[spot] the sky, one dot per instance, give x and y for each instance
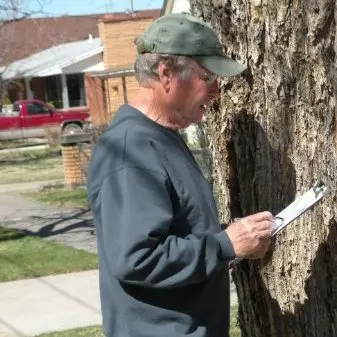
(84, 7)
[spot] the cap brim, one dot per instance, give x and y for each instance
(220, 65)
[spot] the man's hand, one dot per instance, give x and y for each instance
(250, 236)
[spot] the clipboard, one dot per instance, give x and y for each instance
(299, 206)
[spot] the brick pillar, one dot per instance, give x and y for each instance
(76, 152)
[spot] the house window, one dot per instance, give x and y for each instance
(76, 90)
(53, 89)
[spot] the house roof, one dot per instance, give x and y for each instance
(22, 38)
(52, 60)
(19, 39)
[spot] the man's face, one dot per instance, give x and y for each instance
(191, 96)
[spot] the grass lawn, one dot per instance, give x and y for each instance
(24, 256)
(92, 331)
(95, 331)
(27, 166)
(61, 196)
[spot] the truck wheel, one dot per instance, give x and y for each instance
(72, 128)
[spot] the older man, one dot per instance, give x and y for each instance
(163, 257)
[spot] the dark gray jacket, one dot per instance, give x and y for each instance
(162, 256)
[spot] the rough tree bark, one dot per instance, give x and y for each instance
(272, 135)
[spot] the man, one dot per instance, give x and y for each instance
(163, 258)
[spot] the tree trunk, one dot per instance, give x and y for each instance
(272, 135)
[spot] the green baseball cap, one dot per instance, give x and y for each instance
(182, 34)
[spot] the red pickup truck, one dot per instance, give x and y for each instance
(31, 118)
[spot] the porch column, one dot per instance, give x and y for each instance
(65, 97)
(29, 91)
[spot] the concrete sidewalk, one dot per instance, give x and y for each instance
(52, 303)
(30, 186)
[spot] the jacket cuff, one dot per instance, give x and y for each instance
(226, 252)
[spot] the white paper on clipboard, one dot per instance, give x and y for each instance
(294, 210)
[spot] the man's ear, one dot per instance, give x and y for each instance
(165, 76)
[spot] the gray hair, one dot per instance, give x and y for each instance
(146, 66)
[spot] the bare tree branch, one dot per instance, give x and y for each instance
(12, 11)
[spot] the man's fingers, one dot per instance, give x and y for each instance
(265, 234)
(257, 226)
(251, 235)
(264, 225)
(260, 216)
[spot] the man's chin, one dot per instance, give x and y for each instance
(199, 114)
(194, 119)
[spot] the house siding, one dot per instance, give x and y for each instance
(118, 39)
(115, 93)
(119, 53)
(94, 88)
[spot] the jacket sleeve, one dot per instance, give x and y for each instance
(136, 213)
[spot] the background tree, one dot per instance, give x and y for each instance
(11, 11)
(272, 135)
